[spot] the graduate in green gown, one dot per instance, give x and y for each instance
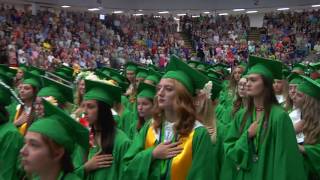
(23, 115)
(108, 144)
(173, 144)
(310, 148)
(261, 141)
(49, 143)
(146, 93)
(11, 140)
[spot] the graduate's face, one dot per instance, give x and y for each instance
(166, 93)
(26, 92)
(298, 99)
(144, 107)
(237, 73)
(138, 80)
(19, 74)
(255, 85)
(131, 76)
(242, 87)
(278, 86)
(81, 87)
(39, 109)
(91, 109)
(36, 155)
(292, 90)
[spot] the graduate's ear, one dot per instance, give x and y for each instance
(58, 153)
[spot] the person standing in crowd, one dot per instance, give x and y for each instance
(310, 146)
(146, 94)
(108, 144)
(172, 145)
(49, 143)
(261, 141)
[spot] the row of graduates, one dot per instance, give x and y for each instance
(189, 122)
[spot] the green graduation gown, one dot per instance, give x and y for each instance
(11, 142)
(121, 145)
(277, 156)
(140, 165)
(312, 160)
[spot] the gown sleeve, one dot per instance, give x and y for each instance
(10, 147)
(138, 161)
(204, 159)
(312, 157)
(236, 145)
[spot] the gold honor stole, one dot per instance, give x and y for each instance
(22, 129)
(181, 163)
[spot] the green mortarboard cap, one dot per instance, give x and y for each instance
(193, 63)
(146, 91)
(294, 78)
(212, 73)
(315, 66)
(102, 91)
(61, 128)
(121, 80)
(299, 66)
(270, 69)
(59, 91)
(220, 66)
(310, 87)
(202, 66)
(216, 88)
(107, 70)
(6, 93)
(102, 75)
(6, 78)
(154, 76)
(32, 79)
(131, 66)
(190, 78)
(36, 70)
(153, 67)
(318, 80)
(23, 67)
(142, 72)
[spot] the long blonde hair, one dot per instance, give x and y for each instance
(311, 117)
(206, 110)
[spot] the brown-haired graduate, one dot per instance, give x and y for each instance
(108, 144)
(310, 111)
(49, 143)
(261, 141)
(173, 145)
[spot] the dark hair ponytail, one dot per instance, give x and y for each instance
(106, 125)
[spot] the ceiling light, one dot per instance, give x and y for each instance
(65, 6)
(223, 14)
(93, 9)
(140, 10)
(138, 14)
(317, 5)
(283, 9)
(181, 14)
(251, 12)
(206, 12)
(163, 12)
(195, 16)
(236, 10)
(157, 16)
(117, 12)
